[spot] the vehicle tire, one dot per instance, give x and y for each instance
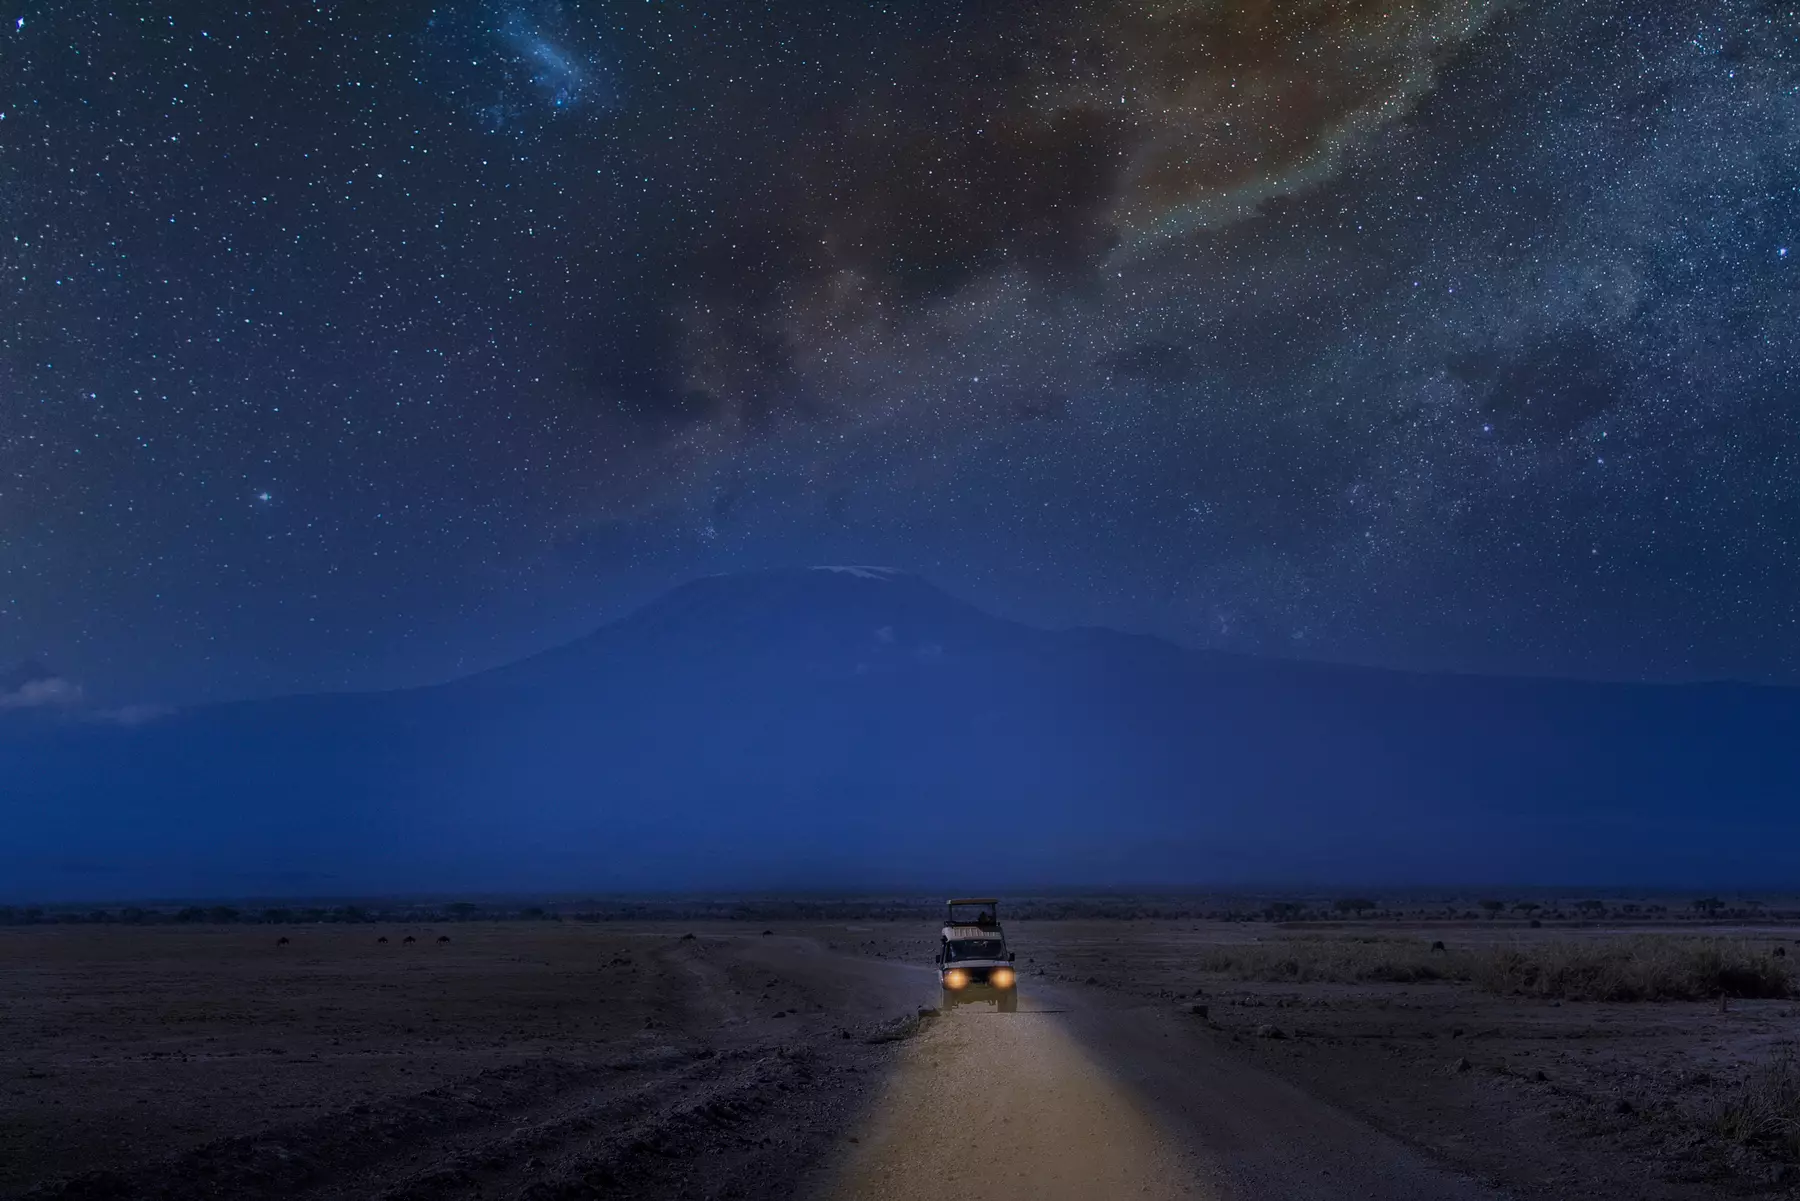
(1009, 1001)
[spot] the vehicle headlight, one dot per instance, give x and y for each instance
(955, 978)
(1001, 977)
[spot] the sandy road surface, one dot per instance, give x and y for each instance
(1078, 1096)
(1007, 1105)
(1248, 1135)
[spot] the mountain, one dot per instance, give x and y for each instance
(845, 727)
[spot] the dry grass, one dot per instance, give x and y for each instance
(1642, 968)
(901, 1029)
(1342, 960)
(1766, 1112)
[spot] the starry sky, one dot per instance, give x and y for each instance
(362, 344)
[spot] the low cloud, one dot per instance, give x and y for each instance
(42, 692)
(132, 715)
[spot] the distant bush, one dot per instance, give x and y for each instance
(1766, 1111)
(1343, 960)
(1645, 968)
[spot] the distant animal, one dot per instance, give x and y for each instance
(1438, 947)
(282, 941)
(383, 938)
(687, 938)
(766, 933)
(408, 938)
(443, 938)
(1781, 951)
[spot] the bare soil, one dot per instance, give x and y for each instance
(536, 1060)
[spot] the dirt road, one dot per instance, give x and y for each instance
(1078, 1096)
(1008, 1105)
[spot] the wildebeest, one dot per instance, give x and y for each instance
(408, 938)
(1438, 947)
(1782, 951)
(443, 938)
(383, 938)
(282, 941)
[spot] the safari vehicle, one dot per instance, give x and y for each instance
(973, 961)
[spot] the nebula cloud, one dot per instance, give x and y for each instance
(547, 64)
(517, 69)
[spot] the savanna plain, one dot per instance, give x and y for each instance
(1630, 1049)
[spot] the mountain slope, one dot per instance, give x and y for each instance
(834, 728)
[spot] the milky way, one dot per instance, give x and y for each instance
(360, 345)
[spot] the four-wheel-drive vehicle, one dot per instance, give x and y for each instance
(973, 961)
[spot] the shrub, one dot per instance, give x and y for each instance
(1766, 1112)
(1303, 960)
(901, 1029)
(1645, 968)
(1634, 969)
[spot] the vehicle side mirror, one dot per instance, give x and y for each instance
(1011, 956)
(938, 958)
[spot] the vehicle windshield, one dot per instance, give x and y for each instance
(972, 915)
(973, 948)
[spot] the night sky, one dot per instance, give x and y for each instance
(363, 344)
